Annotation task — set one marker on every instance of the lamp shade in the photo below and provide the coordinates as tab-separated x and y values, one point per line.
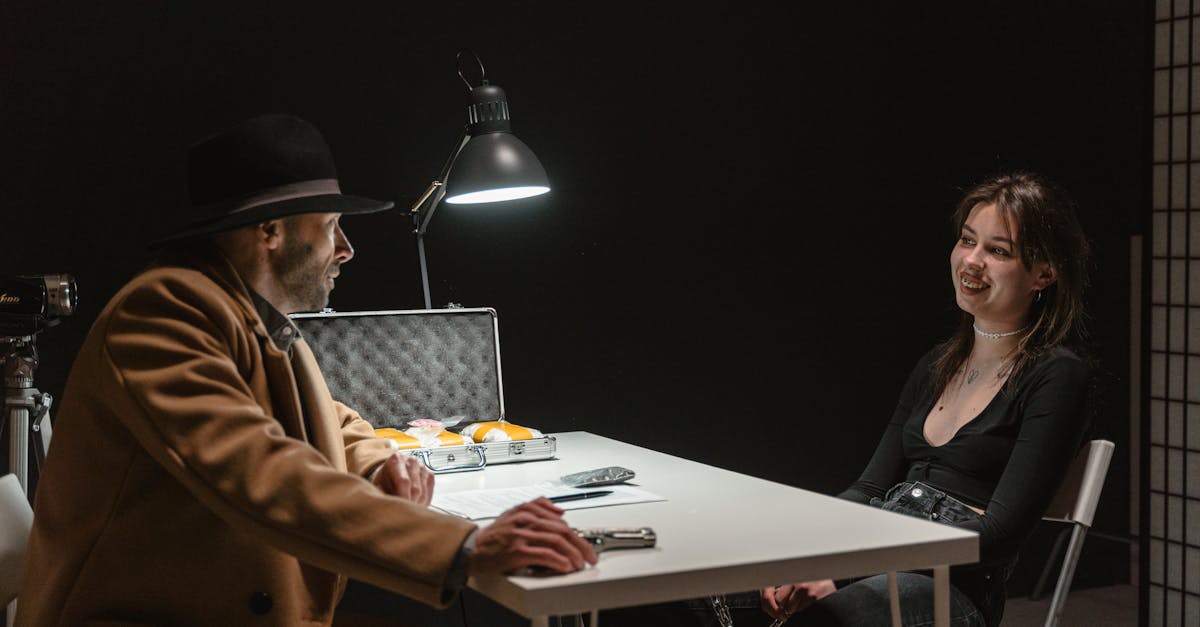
493	167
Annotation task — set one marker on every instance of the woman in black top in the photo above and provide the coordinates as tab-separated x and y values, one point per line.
988	421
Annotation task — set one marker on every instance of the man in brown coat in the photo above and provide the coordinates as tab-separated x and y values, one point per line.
200	473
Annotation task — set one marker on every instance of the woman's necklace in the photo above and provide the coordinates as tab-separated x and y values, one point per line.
970	376
996	336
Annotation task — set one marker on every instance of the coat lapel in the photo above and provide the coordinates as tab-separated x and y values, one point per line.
284	388
326	433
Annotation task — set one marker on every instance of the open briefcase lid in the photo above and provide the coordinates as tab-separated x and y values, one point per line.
396	366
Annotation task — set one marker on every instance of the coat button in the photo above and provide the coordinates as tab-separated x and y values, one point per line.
261	603
917	492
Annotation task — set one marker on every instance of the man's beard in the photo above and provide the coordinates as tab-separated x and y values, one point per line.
301	276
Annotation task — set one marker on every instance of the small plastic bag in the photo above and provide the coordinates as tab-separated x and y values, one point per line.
598	476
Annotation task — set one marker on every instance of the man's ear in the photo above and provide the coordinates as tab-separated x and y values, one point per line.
1047	274
270	234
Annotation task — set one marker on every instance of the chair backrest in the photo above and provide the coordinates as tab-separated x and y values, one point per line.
16	518
1079	493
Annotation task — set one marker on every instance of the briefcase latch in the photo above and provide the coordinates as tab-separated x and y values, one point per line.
426	455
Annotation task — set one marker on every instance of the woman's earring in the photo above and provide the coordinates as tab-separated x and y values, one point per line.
1037	296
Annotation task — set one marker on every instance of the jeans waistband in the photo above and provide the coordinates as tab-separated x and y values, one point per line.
922	500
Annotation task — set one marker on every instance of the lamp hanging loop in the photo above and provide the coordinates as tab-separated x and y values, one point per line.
458	59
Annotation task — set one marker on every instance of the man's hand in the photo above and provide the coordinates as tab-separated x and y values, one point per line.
406	477
531	534
781	602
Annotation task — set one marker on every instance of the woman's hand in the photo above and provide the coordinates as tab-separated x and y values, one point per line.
783	601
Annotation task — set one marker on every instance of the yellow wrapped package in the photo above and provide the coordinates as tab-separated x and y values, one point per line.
402	439
423	434
498	431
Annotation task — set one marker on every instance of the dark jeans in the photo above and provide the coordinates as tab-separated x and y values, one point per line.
982	585
976	591
865	603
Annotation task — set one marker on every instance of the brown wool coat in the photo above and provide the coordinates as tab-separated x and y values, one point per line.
180	488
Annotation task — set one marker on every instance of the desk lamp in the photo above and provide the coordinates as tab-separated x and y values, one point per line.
488	164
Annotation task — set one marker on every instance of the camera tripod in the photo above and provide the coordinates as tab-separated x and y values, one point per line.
26	410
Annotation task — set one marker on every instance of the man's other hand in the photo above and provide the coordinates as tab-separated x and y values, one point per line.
531	534
406	477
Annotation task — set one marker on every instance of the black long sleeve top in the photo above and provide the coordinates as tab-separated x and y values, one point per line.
1008	461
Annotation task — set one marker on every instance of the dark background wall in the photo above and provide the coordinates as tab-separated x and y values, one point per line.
746	245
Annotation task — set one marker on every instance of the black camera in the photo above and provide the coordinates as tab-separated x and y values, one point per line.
29	304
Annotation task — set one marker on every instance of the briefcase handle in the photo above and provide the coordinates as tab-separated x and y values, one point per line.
425	455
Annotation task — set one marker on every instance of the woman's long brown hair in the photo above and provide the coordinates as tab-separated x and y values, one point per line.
1047	231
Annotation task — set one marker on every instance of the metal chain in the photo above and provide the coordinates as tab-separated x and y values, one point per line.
721	610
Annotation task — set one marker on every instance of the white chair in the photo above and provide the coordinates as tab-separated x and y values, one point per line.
16	518
1075	504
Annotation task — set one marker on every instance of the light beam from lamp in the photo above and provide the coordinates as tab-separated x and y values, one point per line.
488	164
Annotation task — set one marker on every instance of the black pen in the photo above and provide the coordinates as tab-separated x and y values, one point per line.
580	495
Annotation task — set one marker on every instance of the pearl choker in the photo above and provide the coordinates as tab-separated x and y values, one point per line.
996	336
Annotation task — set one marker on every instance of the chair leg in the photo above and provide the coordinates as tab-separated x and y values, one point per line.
1065	577
1051	562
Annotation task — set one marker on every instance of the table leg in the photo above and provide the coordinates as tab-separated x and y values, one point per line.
941	596
894	598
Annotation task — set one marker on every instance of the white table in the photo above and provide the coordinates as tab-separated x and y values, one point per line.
718	532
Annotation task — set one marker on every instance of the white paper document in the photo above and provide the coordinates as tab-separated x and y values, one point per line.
480	504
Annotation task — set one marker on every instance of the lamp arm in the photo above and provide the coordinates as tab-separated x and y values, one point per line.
424	271
419	212
422	212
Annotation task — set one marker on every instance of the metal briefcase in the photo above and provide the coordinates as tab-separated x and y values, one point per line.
394	366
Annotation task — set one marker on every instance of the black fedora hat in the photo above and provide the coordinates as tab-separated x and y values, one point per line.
268	167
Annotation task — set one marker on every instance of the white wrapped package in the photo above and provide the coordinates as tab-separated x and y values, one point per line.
499	431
